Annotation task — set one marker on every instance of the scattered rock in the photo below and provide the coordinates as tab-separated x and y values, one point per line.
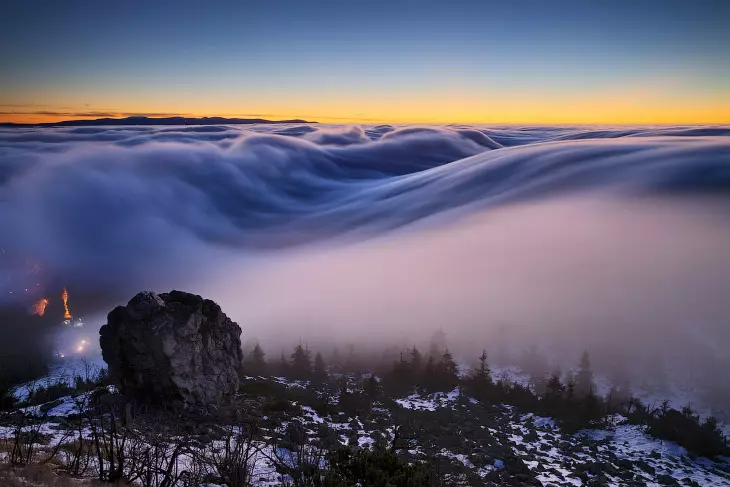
665	479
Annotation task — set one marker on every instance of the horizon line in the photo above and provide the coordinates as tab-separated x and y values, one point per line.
343	120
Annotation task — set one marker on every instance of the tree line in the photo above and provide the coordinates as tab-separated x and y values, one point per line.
571	399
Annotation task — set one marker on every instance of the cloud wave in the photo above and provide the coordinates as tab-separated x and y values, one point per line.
123	201
387	231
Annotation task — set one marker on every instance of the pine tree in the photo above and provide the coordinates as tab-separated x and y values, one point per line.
301	363
584	378
447	371
416	360
416	366
480	380
320	369
401	372
255	363
570	389
430	381
554	387
590	407
483	372
282	366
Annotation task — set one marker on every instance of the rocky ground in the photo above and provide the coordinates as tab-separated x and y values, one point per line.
468	443
475	444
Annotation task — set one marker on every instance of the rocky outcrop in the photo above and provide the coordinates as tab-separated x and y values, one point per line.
174	347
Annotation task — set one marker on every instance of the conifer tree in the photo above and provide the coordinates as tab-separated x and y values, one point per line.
282	366
570	389
416	367
430	381
554	390
447	371
480	380
584	377
301	363
554	387
255	363
416	361
590	407
399	380
483	372
320	369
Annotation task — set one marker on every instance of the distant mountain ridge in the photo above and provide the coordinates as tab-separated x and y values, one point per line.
153	121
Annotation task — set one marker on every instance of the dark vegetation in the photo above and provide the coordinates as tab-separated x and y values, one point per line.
703	438
118	439
45	393
571	400
377	467
113	438
25	349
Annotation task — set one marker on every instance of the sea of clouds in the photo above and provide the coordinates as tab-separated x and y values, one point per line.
608	238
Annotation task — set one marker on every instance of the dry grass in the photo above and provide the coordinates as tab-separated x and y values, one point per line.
42	476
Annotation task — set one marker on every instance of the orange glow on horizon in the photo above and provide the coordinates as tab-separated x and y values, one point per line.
646	102
521	115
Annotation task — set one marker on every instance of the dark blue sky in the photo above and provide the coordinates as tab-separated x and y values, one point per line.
363	59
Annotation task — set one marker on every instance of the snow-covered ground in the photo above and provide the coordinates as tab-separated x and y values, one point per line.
430	402
64	370
616	457
622	454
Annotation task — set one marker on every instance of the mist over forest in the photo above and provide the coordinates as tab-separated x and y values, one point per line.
542	241
376	244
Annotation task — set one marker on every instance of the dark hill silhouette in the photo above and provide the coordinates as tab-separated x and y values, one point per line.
153	121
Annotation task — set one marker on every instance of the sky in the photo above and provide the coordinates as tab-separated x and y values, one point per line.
419	61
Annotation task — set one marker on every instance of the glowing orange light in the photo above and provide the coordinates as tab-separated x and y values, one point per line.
39	307
64	297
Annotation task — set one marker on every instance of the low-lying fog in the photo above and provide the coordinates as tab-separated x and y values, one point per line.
641	282
338	236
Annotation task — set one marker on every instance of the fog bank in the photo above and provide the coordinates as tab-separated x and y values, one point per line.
567	238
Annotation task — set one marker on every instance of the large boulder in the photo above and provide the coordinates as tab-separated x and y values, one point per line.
174	347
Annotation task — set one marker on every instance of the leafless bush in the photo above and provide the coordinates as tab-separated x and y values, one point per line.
76	450
122	441
301	462
27	434
45	475
232	458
